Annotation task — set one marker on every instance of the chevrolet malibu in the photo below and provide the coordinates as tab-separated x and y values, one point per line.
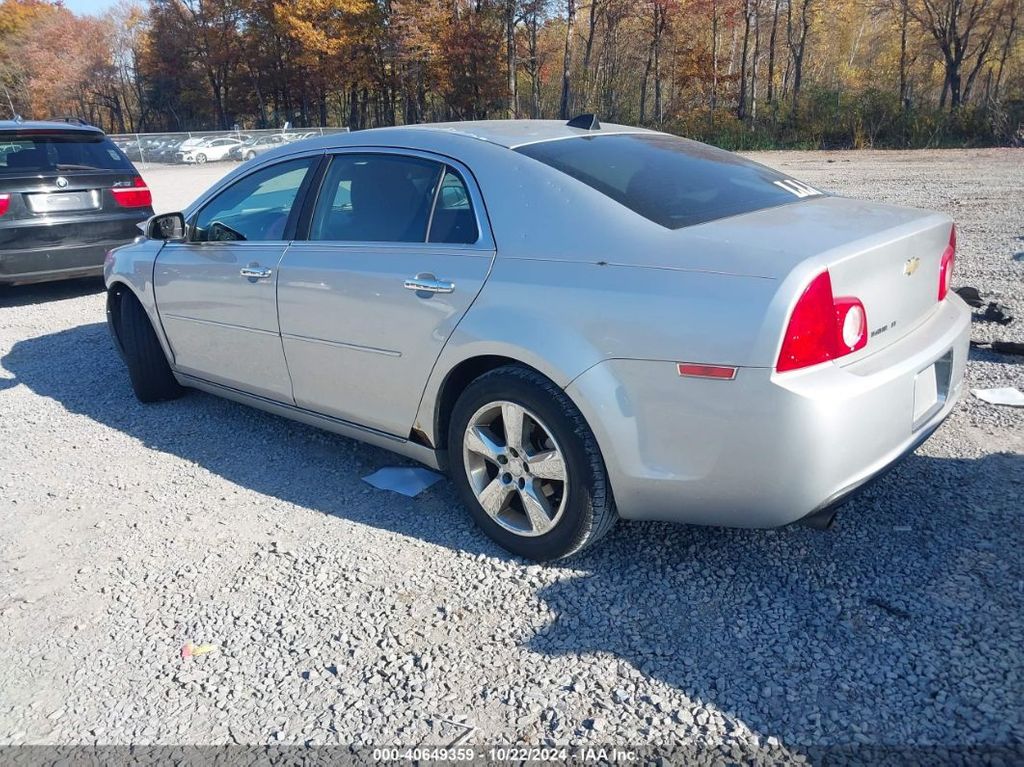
578	322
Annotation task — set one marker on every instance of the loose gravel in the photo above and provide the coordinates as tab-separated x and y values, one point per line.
344	614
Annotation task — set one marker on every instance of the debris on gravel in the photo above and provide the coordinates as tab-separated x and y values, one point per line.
344	614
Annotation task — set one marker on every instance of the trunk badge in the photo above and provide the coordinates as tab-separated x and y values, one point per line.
910	266
61	182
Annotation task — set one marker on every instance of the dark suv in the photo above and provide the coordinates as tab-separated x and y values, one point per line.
67	195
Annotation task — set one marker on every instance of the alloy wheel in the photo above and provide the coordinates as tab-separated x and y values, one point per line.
515	468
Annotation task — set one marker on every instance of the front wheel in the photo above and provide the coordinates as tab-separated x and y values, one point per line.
250	156
148	370
527	465
200	159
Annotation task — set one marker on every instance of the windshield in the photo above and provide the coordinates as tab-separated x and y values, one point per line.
26	152
669	180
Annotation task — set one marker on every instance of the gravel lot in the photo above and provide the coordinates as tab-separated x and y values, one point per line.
343	614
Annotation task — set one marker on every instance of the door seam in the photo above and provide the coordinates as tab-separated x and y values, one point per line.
277	317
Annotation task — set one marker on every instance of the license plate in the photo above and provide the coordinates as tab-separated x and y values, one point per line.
64	202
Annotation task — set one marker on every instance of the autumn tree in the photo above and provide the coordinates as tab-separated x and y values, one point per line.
736	72
963	31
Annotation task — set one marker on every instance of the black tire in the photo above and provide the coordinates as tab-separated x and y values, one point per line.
250	156
148	370
200	159
590	508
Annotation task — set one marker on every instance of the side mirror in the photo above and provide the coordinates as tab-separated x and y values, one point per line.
166	226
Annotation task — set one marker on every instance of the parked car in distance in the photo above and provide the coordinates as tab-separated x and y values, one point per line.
167	152
142	150
579	323
67	195
256	146
211	150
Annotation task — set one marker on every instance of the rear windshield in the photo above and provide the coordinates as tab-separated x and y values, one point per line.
669	180
26	152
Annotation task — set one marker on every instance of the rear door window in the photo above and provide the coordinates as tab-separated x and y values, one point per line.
669	180
454	221
54	151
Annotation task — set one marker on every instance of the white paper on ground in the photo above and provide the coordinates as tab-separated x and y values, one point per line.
407	480
1009	396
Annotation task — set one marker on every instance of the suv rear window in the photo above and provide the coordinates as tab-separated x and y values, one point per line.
669	180
45	152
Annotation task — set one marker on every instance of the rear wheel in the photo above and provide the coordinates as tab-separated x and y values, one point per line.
148	370
527	465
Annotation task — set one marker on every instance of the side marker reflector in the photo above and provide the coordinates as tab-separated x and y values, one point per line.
718	372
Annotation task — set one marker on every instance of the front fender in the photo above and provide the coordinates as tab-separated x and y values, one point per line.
132	266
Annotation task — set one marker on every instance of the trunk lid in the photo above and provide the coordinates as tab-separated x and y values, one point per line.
40	195
887	256
49	174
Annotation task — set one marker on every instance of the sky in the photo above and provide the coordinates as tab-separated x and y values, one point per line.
93	7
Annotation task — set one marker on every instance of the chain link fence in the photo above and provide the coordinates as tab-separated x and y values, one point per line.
200	147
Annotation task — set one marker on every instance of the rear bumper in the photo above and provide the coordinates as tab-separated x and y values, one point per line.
78	249
56	263
767	449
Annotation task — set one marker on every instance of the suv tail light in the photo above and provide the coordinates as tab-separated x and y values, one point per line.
5	203
135	196
946	266
822	327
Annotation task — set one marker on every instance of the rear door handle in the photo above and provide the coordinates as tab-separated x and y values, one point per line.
253	272
429	284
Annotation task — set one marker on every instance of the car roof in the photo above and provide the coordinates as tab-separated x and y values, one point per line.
512	133
459	140
439	137
36	125
509	133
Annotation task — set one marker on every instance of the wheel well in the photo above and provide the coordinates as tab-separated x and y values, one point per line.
115	295
461	376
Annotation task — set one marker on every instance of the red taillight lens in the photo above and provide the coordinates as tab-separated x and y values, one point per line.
822	327
135	196
946	266
5	203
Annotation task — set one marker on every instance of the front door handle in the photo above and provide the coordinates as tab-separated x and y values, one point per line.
255	272
428	283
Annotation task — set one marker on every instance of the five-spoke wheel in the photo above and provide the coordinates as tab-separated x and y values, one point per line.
528	466
515	468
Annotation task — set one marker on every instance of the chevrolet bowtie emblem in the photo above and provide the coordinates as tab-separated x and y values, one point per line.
911	265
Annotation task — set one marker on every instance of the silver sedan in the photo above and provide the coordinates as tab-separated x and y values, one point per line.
579	322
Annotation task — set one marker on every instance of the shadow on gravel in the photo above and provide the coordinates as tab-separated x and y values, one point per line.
44	292
905	622
299	464
902	624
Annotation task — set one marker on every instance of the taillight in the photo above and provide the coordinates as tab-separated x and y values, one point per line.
822	327
5	203
135	196
946	265
852	323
